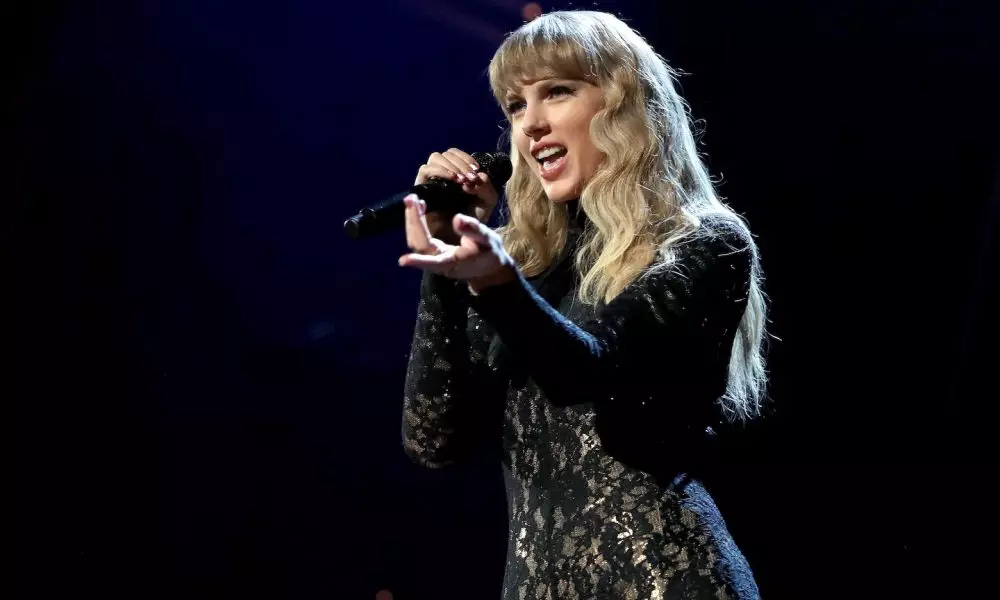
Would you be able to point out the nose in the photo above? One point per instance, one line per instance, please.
(534, 123)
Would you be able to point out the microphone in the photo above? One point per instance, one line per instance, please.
(440, 195)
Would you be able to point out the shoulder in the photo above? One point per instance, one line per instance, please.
(720, 235)
(717, 241)
(717, 258)
(718, 255)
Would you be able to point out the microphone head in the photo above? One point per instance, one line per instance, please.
(497, 167)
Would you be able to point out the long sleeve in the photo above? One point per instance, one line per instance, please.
(657, 354)
(453, 400)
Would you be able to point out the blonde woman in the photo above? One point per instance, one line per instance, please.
(594, 341)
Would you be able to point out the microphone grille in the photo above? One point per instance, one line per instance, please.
(496, 165)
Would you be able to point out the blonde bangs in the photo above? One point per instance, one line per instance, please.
(542, 49)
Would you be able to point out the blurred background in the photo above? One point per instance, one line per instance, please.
(207, 375)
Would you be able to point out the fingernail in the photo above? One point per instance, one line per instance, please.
(472, 176)
(423, 206)
(402, 260)
(475, 167)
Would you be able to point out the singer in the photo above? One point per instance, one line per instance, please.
(596, 341)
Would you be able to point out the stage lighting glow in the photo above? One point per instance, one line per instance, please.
(531, 11)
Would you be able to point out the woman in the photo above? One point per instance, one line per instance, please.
(594, 340)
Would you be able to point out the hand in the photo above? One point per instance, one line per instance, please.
(478, 258)
(458, 166)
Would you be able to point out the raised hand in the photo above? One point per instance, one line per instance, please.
(460, 167)
(478, 257)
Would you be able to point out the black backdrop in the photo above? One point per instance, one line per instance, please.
(207, 376)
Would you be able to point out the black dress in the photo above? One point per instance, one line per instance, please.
(599, 416)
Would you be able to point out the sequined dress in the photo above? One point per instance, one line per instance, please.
(598, 416)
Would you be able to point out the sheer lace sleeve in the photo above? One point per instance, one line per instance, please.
(453, 400)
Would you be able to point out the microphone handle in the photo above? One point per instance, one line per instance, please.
(441, 195)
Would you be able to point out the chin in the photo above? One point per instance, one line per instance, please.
(561, 191)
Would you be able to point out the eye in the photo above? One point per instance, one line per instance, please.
(560, 90)
(514, 106)
(556, 91)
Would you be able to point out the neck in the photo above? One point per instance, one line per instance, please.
(575, 215)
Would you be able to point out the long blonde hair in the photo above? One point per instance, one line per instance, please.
(650, 192)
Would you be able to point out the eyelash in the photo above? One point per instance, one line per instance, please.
(556, 90)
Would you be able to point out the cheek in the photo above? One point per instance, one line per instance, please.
(588, 153)
(523, 146)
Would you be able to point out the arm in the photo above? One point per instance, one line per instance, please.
(659, 351)
(452, 400)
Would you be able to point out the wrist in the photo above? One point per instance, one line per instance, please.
(503, 275)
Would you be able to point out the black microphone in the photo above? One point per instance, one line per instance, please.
(441, 195)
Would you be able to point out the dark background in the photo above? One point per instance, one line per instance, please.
(207, 374)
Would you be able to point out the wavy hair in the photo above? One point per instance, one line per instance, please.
(650, 192)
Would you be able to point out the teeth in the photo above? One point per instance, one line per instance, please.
(547, 152)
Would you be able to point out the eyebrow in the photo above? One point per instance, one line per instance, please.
(513, 94)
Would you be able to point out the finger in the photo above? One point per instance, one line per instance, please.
(470, 187)
(482, 178)
(466, 158)
(438, 263)
(444, 168)
(473, 186)
(437, 170)
(471, 228)
(460, 164)
(451, 164)
(408, 225)
(417, 235)
(453, 262)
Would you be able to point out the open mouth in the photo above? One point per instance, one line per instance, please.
(552, 159)
(550, 154)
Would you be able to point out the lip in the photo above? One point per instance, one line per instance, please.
(553, 174)
(536, 148)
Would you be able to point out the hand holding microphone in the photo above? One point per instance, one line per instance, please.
(455, 165)
(459, 246)
(451, 182)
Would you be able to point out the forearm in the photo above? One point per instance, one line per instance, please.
(448, 397)
(502, 276)
(567, 362)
